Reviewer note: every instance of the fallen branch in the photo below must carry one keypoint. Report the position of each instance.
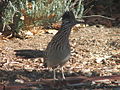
(98, 16)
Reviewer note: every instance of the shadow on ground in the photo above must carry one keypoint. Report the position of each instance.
(28, 53)
(16, 76)
(23, 75)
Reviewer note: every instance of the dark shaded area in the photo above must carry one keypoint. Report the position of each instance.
(38, 80)
(3, 5)
(11, 76)
(27, 53)
(13, 28)
(107, 8)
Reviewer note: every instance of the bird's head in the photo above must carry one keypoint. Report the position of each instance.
(69, 16)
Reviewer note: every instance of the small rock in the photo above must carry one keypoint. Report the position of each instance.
(87, 72)
(28, 33)
(99, 60)
(52, 31)
(19, 81)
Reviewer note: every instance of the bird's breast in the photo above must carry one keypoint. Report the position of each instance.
(58, 56)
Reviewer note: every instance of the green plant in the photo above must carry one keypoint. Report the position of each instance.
(51, 10)
(11, 20)
(41, 12)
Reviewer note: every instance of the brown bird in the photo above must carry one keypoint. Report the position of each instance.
(58, 49)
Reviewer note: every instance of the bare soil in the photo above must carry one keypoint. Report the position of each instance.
(95, 52)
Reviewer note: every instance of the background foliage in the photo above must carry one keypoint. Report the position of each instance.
(40, 12)
(46, 12)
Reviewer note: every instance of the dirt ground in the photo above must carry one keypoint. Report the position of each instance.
(95, 52)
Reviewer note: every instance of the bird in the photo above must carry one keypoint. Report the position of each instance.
(58, 49)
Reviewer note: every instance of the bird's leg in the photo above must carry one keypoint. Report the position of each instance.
(63, 76)
(54, 74)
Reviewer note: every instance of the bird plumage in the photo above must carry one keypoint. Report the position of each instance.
(58, 49)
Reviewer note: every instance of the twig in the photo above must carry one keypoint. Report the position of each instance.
(4, 24)
(74, 3)
(87, 10)
(89, 2)
(98, 16)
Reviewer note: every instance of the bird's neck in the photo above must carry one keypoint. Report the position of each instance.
(63, 34)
